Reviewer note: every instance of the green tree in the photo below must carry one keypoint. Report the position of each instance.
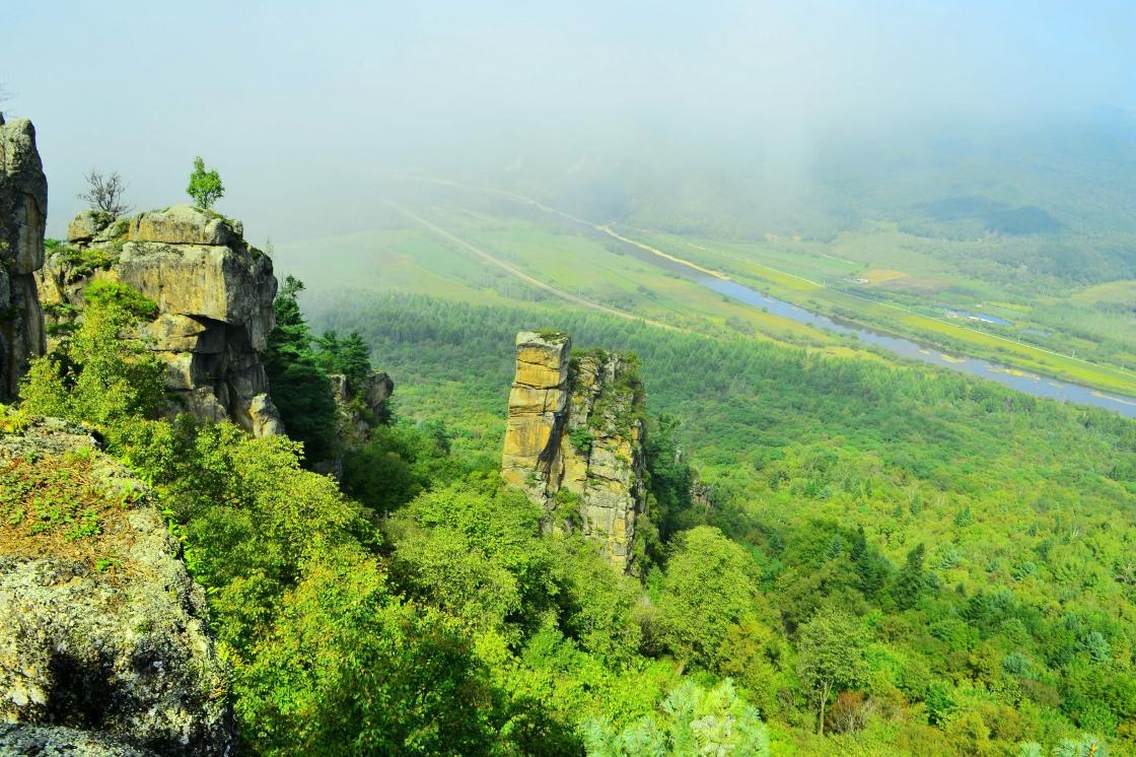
(911, 581)
(204, 187)
(709, 587)
(831, 656)
(348, 669)
(103, 374)
(349, 356)
(691, 721)
(300, 388)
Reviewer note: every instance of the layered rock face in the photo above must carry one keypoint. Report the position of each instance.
(574, 439)
(103, 641)
(214, 293)
(23, 213)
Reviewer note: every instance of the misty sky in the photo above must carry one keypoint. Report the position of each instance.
(305, 106)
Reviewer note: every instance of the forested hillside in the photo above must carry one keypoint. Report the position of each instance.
(974, 543)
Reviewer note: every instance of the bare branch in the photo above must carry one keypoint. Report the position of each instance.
(105, 193)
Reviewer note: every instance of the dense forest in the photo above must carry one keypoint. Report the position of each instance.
(970, 545)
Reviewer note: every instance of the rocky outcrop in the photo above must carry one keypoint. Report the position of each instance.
(214, 293)
(361, 408)
(103, 641)
(574, 439)
(23, 213)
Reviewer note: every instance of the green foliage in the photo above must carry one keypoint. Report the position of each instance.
(348, 669)
(834, 470)
(300, 387)
(102, 374)
(349, 356)
(83, 262)
(204, 187)
(911, 581)
(113, 295)
(396, 464)
(831, 656)
(710, 587)
(691, 720)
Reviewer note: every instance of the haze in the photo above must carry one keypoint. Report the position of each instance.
(308, 109)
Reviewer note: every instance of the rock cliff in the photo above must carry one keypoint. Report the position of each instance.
(101, 628)
(214, 293)
(23, 213)
(573, 439)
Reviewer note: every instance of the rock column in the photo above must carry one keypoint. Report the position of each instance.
(23, 214)
(574, 437)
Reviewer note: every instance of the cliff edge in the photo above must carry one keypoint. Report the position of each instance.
(101, 628)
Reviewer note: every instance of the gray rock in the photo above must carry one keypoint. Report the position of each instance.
(20, 739)
(183, 224)
(264, 418)
(23, 213)
(87, 225)
(357, 418)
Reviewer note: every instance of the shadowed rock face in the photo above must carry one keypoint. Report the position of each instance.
(574, 436)
(23, 213)
(103, 640)
(214, 293)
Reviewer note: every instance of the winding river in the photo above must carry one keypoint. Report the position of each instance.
(1039, 386)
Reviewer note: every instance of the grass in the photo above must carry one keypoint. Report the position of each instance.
(59, 506)
(834, 294)
(405, 258)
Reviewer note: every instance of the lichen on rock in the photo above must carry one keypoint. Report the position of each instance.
(575, 433)
(60, 741)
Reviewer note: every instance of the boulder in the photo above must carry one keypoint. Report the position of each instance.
(23, 213)
(105, 632)
(184, 224)
(87, 225)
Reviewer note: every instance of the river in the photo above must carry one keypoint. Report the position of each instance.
(1039, 386)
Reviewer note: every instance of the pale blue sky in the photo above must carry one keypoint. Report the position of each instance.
(302, 104)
